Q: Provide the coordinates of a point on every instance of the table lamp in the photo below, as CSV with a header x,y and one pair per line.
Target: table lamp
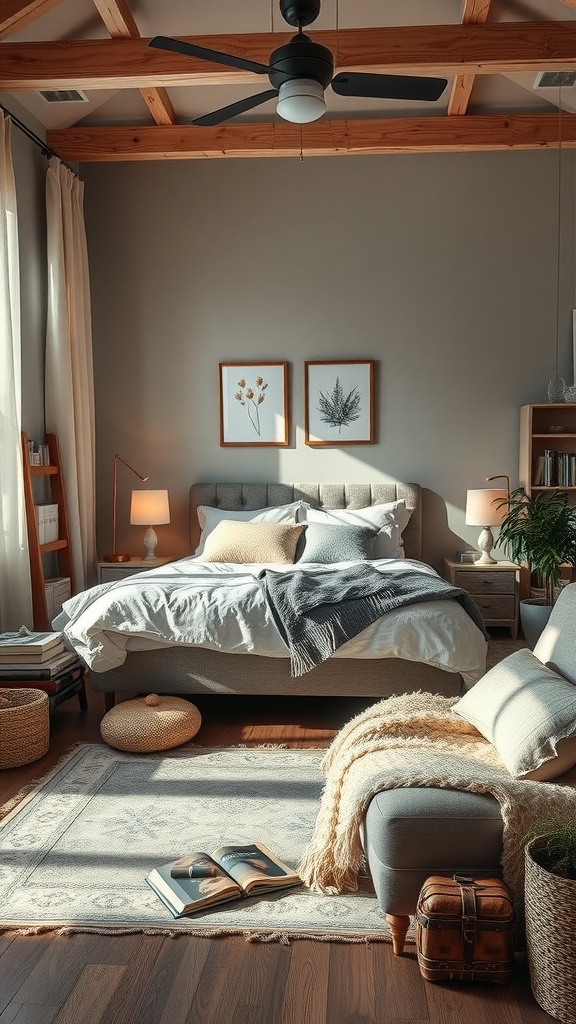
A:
x,y
114,556
149,508
482,509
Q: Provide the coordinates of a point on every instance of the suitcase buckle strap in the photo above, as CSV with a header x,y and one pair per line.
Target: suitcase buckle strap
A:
x,y
469,915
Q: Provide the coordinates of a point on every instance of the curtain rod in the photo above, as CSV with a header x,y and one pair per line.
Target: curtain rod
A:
x,y
47,150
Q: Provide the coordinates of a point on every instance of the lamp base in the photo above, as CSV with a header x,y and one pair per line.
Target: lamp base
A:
x,y
485,543
150,541
116,558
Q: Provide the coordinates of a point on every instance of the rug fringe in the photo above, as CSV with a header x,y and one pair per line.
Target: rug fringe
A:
x,y
283,937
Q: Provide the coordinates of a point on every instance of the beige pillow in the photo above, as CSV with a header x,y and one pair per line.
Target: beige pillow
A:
x,y
251,542
529,713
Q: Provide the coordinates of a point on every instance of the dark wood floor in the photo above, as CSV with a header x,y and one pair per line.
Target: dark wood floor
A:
x,y
149,979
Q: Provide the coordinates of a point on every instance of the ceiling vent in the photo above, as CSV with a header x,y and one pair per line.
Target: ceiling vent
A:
x,y
64,96
555,80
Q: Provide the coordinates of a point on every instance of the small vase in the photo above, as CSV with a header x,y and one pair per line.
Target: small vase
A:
x,y
556,388
570,393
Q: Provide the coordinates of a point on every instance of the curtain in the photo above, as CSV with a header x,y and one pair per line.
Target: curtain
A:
x,y
69,382
15,592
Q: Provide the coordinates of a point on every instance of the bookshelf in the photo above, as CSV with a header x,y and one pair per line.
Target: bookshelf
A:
x,y
37,550
537,439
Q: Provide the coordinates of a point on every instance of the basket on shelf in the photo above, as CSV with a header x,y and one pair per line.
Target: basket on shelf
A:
x,y
24,726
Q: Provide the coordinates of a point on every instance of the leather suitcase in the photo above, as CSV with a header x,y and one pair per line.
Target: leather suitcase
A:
x,y
464,929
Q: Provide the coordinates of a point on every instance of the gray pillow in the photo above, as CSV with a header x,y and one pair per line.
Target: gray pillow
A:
x,y
529,713
330,542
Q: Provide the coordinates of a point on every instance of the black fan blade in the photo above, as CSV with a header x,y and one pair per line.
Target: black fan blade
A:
x,y
225,113
388,87
191,50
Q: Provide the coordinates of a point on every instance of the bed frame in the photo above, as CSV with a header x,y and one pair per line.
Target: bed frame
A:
x,y
187,670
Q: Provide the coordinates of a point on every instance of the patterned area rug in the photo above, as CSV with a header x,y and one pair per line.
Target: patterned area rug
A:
x,y
74,853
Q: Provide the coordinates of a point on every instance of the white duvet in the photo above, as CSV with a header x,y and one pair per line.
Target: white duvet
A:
x,y
222,607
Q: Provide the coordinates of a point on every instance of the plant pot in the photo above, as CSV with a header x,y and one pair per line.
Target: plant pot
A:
x,y
534,615
551,936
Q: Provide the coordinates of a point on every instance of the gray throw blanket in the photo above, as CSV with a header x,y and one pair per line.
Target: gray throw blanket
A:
x,y
316,612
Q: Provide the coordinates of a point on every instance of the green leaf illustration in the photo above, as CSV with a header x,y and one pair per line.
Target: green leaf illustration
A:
x,y
338,409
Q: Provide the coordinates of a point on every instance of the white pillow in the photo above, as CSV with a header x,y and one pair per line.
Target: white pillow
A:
x,y
529,713
245,543
209,517
389,519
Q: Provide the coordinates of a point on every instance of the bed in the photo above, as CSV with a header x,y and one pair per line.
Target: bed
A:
x,y
444,658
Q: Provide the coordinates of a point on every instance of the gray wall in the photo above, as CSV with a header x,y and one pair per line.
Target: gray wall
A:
x,y
30,175
440,267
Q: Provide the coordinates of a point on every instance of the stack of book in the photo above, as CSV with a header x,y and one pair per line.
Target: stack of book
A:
x,y
34,660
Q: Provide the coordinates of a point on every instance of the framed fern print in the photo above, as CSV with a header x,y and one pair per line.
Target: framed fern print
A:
x,y
339,402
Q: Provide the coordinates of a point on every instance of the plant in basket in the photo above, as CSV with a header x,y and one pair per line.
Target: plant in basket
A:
x,y
550,892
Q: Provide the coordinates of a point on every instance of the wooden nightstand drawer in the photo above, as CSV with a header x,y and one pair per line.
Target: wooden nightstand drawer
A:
x,y
496,606
109,572
493,587
485,582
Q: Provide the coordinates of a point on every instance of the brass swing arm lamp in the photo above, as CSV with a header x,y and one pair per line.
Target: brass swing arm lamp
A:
x,y
501,476
114,557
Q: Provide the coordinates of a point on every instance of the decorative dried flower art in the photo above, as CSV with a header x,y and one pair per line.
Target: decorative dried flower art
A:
x,y
251,399
254,403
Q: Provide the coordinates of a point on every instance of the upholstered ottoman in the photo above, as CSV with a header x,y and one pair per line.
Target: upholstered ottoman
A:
x,y
408,834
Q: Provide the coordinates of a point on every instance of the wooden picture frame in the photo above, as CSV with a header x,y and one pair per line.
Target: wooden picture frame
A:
x,y
253,404
339,402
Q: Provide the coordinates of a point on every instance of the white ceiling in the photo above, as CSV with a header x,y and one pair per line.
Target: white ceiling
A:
x,y
511,93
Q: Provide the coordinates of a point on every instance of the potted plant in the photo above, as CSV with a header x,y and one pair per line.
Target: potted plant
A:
x,y
550,904
539,531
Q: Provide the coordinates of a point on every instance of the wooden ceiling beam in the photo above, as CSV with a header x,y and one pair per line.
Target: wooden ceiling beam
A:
x,y
323,138
491,48
16,14
120,23
474,12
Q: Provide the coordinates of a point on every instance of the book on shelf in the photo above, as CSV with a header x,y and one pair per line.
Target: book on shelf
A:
x,y
49,686
200,880
19,669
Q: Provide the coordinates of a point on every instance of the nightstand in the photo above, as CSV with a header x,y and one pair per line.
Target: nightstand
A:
x,y
110,571
494,588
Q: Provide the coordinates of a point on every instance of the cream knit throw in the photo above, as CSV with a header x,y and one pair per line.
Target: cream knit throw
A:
x,y
416,739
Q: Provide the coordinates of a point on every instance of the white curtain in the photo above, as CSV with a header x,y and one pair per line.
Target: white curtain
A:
x,y
15,593
69,386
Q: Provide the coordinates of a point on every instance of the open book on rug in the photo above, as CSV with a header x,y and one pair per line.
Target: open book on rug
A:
x,y
198,880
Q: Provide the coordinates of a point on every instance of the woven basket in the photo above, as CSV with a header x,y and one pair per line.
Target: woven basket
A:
x,y
551,937
24,726
150,723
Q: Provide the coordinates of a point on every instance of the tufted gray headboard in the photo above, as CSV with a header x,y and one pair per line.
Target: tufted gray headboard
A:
x,y
239,497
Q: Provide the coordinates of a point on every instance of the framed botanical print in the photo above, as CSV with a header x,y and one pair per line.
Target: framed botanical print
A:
x,y
253,400
339,402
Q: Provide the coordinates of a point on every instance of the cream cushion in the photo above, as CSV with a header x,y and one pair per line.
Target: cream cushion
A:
x,y
209,517
388,519
252,542
528,712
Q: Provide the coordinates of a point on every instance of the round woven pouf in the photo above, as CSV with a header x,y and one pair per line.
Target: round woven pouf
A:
x,y
24,726
150,723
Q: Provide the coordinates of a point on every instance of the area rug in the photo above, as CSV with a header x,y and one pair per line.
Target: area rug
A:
x,y
75,852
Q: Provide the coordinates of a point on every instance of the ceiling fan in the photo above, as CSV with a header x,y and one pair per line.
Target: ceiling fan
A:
x,y
300,71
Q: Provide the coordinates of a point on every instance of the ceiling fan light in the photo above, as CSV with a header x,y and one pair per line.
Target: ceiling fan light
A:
x,y
301,100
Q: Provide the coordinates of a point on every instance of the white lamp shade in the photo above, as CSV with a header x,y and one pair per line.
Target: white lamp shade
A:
x,y
149,508
482,506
